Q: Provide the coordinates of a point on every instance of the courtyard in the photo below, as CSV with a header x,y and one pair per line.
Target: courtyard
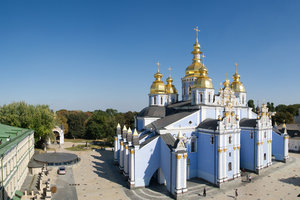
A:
x,y
95,177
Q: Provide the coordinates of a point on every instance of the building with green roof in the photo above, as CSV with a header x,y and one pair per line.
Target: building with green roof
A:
x,y
16,150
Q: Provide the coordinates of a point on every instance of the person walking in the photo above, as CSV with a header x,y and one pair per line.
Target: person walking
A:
x,y
236,194
204,192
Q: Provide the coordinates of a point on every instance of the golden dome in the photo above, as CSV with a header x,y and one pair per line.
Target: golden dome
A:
x,y
158,86
237,85
226,83
203,81
170,89
193,69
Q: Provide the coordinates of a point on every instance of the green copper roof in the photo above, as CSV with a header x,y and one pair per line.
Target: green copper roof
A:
x,y
10,136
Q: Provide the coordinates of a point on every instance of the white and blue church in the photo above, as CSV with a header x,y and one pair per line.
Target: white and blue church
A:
x,y
209,134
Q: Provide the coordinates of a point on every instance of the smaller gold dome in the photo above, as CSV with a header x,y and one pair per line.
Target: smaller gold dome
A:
x,y
158,86
237,85
226,83
170,88
203,81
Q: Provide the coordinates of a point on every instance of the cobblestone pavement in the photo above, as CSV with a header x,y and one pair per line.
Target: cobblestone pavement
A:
x,y
98,178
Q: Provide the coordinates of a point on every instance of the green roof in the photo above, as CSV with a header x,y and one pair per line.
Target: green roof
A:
x,y
11,136
19,193
15,198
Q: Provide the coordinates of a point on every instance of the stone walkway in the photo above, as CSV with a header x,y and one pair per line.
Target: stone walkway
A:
x,y
97,178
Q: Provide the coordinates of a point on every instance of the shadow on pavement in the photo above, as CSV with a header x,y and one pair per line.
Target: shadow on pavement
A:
x,y
106,169
291,180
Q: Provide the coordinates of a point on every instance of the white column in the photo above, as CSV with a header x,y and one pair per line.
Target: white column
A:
x,y
220,164
116,149
178,173
270,153
286,146
238,153
121,155
131,168
184,173
126,160
258,149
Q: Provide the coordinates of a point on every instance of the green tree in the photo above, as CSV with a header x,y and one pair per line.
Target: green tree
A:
x,y
101,125
38,118
76,124
251,104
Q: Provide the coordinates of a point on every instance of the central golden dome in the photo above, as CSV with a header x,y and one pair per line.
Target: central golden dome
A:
x,y
158,86
193,69
203,81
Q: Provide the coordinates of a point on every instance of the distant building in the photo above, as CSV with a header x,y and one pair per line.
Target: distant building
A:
x,y
16,150
207,135
293,130
297,118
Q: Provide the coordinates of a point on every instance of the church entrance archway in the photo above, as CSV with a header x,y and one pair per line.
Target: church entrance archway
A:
x,y
157,178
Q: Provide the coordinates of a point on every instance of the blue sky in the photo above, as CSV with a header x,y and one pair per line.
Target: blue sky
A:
x,y
87,55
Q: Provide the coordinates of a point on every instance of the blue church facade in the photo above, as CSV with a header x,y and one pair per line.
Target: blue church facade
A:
x,y
207,135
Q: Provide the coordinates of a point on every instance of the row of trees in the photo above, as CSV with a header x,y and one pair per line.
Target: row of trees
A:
x,y
283,112
77,124
94,125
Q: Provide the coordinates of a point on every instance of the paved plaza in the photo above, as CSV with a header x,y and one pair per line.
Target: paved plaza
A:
x,y
95,177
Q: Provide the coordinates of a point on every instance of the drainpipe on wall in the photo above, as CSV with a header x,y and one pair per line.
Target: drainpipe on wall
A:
x,y
2,176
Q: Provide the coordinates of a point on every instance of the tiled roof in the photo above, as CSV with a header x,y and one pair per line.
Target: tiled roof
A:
x,y
210,124
248,122
168,139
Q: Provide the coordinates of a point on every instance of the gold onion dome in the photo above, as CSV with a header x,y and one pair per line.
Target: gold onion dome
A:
x,y
170,88
193,69
226,82
203,81
237,85
158,86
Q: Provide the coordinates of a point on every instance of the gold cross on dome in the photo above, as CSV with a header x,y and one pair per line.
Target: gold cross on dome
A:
x,y
203,56
236,66
197,30
158,65
169,70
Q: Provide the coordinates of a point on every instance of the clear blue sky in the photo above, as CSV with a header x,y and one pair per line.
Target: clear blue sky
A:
x,y
87,55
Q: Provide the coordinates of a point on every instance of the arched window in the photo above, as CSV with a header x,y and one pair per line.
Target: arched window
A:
x,y
211,139
229,139
201,97
190,89
161,100
209,97
183,90
243,100
193,145
194,97
229,166
154,99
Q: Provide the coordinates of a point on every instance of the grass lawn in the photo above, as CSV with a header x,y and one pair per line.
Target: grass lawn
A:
x,y
78,140
82,147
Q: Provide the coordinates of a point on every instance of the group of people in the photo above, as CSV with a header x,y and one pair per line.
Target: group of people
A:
x,y
235,193
249,179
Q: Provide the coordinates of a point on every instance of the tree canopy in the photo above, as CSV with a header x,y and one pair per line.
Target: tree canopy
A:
x,y
38,118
